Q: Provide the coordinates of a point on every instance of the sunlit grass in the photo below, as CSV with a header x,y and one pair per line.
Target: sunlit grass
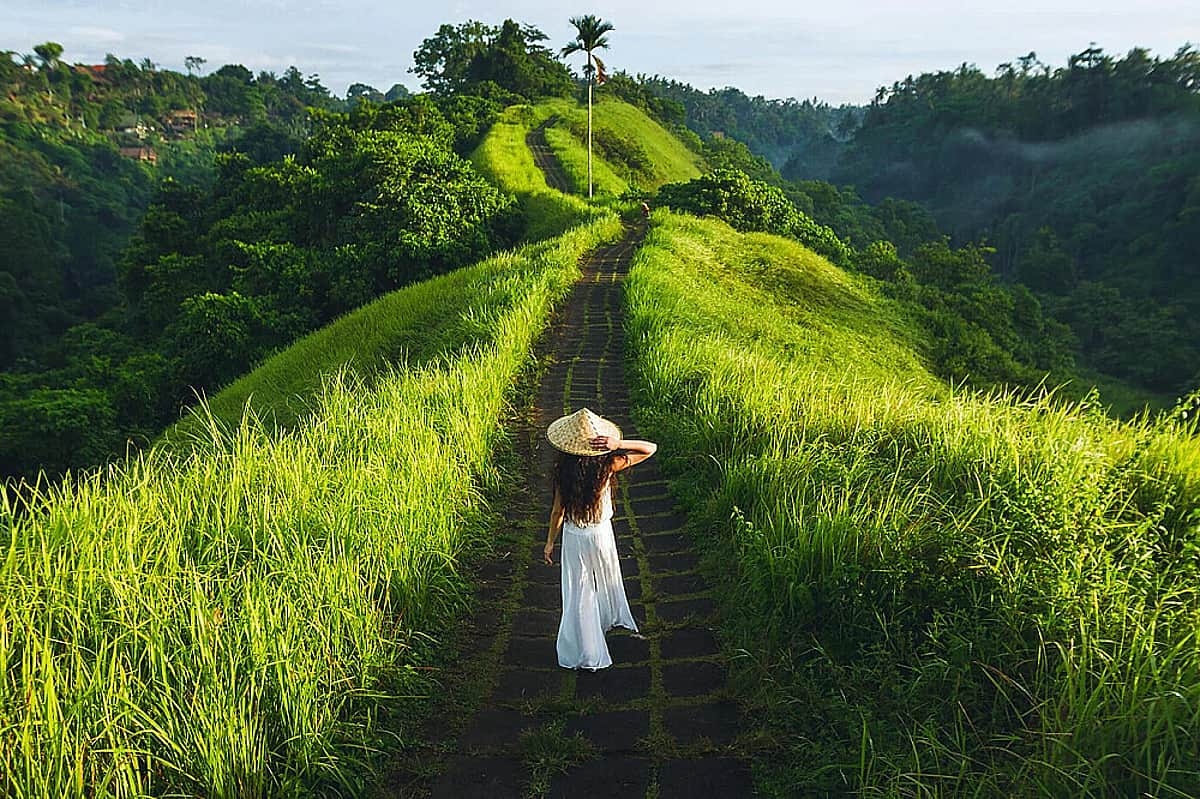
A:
x,y
942,593
667,159
504,158
413,326
223,618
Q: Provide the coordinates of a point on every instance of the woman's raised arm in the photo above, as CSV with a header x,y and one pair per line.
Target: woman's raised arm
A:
x,y
635,451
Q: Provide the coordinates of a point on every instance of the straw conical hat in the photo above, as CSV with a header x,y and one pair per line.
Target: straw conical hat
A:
x,y
574,433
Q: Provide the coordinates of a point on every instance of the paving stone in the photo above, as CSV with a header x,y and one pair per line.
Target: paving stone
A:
x,y
716,721
478,641
491,594
612,731
650,507
647,490
633,588
667,542
693,678
613,685
535,653
495,729
679,610
609,777
471,776
515,685
689,583
675,562
539,573
584,374
689,643
543,596
711,776
536,623
629,566
496,570
624,648
638,610
661,524
625,546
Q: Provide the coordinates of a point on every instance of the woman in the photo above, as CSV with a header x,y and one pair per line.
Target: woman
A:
x,y
591,452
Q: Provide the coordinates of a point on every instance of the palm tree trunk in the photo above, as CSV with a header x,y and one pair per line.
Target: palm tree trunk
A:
x,y
589,137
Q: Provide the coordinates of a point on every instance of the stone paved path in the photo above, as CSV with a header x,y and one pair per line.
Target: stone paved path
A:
x,y
660,720
545,159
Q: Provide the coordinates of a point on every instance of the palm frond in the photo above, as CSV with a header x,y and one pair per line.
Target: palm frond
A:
x,y
590,30
601,76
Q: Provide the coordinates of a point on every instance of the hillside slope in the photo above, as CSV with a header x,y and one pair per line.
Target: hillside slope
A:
x,y
940,593
429,321
227,616
628,147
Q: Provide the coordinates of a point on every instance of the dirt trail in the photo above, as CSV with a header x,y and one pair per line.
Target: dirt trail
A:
x,y
660,722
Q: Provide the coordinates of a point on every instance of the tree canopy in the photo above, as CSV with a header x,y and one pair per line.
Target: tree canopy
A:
x,y
505,61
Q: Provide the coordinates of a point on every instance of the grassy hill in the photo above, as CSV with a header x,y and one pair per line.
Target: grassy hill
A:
x,y
223,613
628,147
225,616
940,593
504,158
433,320
429,322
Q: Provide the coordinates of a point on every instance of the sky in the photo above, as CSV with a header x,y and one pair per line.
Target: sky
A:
x,y
838,52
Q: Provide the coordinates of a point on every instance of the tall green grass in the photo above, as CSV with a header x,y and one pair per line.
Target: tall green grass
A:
x,y
664,159
504,159
225,619
412,327
940,593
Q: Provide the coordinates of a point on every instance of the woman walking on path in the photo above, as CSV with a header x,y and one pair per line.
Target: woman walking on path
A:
x,y
591,452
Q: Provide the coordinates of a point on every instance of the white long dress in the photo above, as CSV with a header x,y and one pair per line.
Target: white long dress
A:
x,y
592,592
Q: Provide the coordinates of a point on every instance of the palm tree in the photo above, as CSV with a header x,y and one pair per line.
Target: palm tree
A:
x,y
589,36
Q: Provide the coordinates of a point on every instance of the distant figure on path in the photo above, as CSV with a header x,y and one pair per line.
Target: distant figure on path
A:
x,y
590,453
645,210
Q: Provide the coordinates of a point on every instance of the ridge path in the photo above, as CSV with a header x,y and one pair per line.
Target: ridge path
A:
x,y
659,722
545,159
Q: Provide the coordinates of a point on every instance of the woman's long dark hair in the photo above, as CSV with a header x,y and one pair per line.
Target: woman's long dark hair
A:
x,y
579,480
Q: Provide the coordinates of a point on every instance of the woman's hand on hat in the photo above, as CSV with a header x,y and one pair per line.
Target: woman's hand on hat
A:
x,y
608,443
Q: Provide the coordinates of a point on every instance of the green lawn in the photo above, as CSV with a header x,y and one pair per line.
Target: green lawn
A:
x,y
938,593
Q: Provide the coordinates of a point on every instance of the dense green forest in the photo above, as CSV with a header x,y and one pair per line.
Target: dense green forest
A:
x,y
1086,181
85,149
802,138
1083,183
171,230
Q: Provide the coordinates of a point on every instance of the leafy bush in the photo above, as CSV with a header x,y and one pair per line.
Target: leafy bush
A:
x,y
749,204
